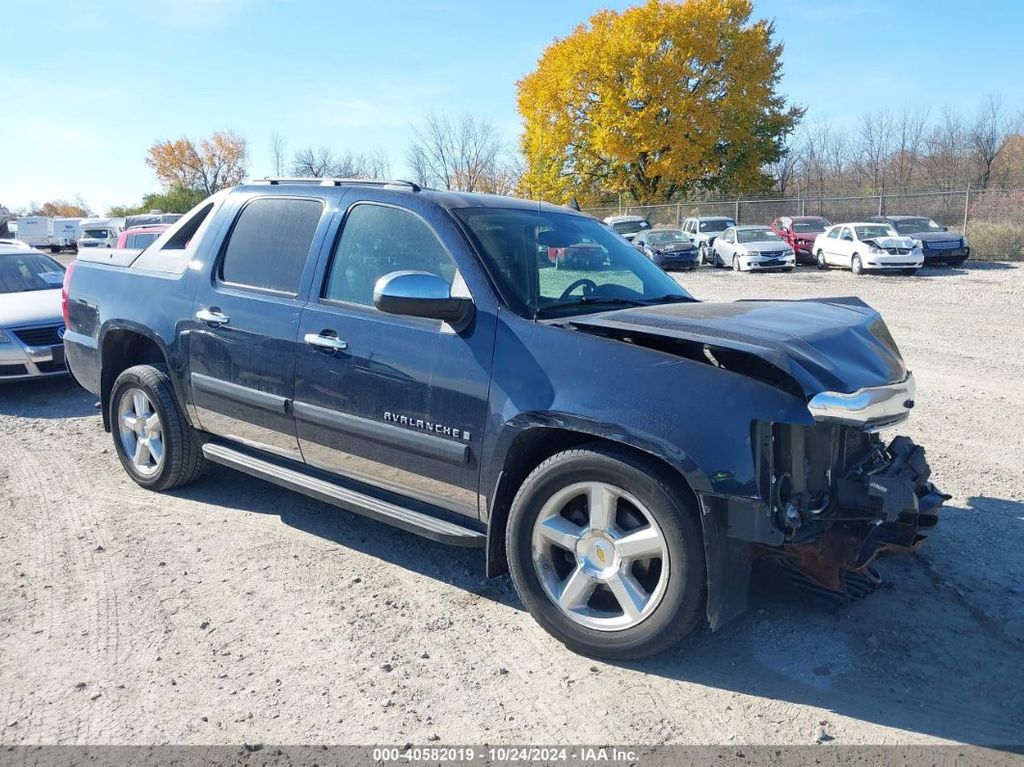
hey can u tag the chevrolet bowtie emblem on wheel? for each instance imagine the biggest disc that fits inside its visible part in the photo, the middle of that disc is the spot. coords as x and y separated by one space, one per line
600 555
419 423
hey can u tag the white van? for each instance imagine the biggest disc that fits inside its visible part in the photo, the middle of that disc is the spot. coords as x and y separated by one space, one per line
36 231
99 232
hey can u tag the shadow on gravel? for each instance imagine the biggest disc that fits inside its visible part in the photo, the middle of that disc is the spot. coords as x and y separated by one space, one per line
925 653
918 654
461 567
46 398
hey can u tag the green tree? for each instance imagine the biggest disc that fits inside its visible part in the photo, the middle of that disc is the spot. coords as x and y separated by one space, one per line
658 99
174 200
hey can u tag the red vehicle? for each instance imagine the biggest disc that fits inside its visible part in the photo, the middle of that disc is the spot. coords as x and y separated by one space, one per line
139 237
799 232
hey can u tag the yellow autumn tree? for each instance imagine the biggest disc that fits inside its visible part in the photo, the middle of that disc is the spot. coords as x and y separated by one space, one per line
207 165
655 100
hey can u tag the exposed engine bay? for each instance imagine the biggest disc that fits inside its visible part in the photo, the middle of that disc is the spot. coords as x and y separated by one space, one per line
842 498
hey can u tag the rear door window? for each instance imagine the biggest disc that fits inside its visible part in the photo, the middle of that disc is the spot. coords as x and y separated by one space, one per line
269 243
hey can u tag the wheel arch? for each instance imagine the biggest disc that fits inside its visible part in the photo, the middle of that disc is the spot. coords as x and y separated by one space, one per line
122 346
531 443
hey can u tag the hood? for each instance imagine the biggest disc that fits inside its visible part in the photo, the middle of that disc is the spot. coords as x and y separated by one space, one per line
885 243
936 236
31 307
769 245
674 247
807 347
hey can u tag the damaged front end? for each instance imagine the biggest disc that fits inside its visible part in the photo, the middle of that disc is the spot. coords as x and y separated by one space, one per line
839 495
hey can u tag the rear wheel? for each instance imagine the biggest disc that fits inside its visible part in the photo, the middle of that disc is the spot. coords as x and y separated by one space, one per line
157 447
855 265
606 555
819 259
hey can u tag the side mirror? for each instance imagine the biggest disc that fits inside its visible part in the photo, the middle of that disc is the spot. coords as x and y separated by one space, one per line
420 294
945 228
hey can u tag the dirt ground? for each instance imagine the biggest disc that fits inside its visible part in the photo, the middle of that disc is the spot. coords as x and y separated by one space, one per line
233 611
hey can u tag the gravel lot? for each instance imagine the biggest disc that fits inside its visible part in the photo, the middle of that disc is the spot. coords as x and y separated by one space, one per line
233 611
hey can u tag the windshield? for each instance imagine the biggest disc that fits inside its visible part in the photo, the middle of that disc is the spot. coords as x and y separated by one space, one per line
716 224
553 264
630 227
140 240
757 235
96 234
804 227
917 225
31 271
667 238
869 232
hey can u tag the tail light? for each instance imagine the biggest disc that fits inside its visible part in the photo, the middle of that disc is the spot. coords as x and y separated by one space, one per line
65 307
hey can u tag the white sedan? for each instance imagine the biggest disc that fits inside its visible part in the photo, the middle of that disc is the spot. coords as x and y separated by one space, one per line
863 247
752 248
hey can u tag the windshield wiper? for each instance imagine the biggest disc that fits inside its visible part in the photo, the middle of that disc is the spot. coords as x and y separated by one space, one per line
613 301
669 298
591 301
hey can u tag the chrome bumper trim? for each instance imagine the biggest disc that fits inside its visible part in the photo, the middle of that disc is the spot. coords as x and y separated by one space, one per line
875 407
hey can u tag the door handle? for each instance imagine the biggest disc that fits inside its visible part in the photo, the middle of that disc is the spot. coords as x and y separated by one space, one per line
212 316
326 343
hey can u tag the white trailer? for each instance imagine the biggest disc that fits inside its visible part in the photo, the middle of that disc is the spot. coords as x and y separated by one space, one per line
36 231
66 232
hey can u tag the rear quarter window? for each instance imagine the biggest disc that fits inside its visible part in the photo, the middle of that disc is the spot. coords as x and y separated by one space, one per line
269 243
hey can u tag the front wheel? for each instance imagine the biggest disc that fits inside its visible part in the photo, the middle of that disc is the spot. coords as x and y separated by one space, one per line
855 265
819 259
909 272
606 554
736 263
157 447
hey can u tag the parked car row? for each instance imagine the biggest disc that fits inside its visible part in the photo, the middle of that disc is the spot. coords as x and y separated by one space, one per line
880 243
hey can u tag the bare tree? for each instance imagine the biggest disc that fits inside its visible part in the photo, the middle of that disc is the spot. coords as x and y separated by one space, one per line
324 162
874 149
460 153
908 143
990 129
947 164
785 170
277 151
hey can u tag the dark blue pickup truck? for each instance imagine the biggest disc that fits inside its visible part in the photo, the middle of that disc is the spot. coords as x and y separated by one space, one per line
427 359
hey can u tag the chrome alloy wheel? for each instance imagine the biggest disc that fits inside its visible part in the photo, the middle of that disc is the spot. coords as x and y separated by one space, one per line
142 434
600 556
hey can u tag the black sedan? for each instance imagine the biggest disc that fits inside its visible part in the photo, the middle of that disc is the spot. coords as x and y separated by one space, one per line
668 248
939 245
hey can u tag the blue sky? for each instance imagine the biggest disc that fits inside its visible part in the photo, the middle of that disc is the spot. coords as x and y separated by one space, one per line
88 86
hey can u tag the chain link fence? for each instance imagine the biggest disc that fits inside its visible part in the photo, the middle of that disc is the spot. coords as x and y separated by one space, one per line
993 220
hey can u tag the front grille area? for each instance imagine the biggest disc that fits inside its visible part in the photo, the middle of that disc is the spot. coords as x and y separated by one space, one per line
773 253
51 367
949 245
12 370
43 336
898 251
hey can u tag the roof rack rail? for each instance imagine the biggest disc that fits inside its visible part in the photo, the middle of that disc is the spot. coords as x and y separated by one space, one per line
331 181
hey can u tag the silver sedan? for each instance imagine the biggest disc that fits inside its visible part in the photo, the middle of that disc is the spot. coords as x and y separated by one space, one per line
31 321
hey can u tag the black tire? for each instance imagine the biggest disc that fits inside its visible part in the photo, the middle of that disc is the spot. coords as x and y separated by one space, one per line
787 269
681 608
958 263
182 445
908 272
819 260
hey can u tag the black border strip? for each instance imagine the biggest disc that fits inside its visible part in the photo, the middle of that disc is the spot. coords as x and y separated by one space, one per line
238 393
420 443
